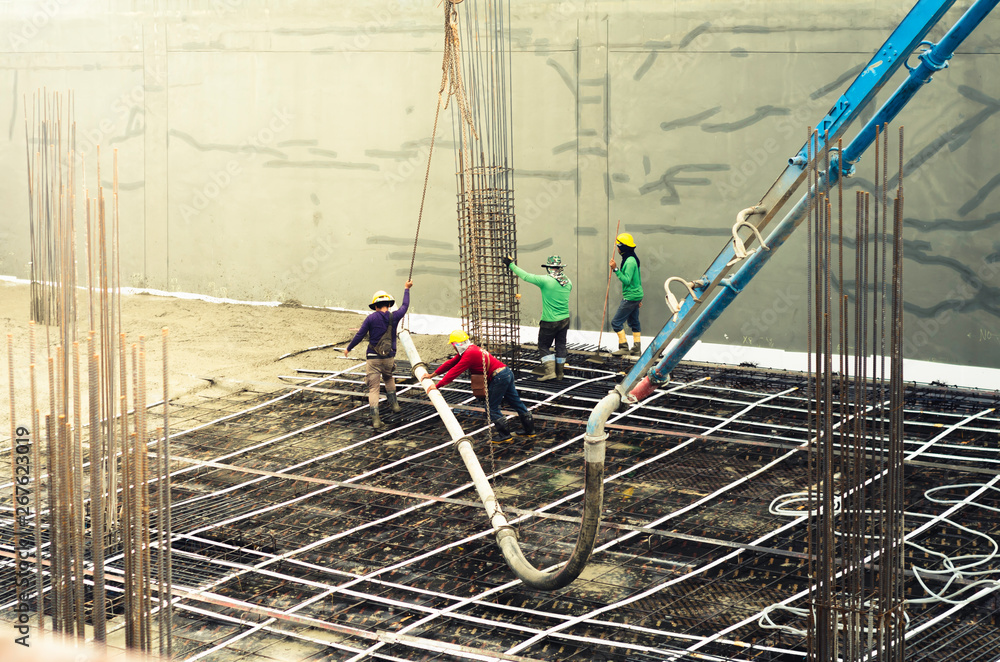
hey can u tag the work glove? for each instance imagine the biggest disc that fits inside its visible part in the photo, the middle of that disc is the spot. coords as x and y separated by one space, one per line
507 260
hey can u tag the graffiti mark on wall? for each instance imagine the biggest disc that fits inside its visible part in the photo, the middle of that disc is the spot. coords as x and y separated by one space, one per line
670 180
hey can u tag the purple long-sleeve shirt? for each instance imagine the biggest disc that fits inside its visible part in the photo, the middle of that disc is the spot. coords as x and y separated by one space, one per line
378 323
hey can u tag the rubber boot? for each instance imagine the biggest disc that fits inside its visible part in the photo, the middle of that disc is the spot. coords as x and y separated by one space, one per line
376 421
622 345
550 371
527 425
540 368
636 344
560 366
502 434
393 402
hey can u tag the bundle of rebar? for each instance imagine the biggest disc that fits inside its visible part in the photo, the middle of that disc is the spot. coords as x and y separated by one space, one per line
93 508
480 58
855 420
45 206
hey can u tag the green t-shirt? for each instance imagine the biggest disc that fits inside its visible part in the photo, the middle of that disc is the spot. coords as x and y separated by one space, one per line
555 297
628 274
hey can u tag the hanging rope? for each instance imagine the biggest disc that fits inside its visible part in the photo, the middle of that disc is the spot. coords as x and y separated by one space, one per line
451 78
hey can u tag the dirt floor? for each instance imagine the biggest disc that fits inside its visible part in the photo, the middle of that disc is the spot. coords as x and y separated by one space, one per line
212 348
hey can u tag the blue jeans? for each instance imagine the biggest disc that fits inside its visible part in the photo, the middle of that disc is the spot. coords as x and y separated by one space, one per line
628 311
501 388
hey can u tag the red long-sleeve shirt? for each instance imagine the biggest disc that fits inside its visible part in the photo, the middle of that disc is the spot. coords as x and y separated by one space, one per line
471 359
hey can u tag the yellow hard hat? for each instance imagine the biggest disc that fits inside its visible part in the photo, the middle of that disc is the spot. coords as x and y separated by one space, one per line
381 298
458 336
625 239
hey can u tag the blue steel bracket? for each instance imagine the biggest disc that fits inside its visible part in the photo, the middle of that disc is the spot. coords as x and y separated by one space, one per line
728 283
928 56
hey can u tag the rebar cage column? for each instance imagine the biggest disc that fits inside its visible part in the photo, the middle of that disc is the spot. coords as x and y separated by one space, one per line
487 230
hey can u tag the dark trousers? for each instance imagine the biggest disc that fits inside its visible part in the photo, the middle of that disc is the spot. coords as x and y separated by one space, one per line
549 331
501 389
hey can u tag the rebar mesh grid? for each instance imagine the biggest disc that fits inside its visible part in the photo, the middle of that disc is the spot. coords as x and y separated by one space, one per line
297 524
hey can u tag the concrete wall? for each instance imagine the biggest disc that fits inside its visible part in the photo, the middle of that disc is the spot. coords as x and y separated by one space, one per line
276 149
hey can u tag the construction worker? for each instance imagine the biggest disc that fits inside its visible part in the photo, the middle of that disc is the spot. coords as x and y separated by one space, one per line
555 287
499 383
628 310
381 353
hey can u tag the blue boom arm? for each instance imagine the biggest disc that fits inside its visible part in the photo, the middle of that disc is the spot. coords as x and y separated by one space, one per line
908 35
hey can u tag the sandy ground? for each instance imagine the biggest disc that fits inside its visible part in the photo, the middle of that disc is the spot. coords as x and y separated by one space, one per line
212 348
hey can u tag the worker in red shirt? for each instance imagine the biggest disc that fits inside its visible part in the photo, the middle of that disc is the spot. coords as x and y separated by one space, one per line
499 379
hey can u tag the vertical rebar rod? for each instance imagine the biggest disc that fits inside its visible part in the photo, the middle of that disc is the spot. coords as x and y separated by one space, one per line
65 523
36 461
128 509
166 522
97 468
13 459
142 483
896 621
811 540
76 467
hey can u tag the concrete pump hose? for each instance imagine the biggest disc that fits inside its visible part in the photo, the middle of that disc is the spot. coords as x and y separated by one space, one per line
506 538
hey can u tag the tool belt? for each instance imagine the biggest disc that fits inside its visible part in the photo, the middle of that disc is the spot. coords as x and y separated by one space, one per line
479 383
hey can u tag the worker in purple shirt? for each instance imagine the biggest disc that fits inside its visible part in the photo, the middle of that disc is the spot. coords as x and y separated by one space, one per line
381 354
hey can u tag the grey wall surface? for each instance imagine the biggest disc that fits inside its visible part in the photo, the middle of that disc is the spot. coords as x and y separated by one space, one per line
276 149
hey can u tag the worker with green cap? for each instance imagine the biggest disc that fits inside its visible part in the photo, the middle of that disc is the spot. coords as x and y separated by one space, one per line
555 286
628 311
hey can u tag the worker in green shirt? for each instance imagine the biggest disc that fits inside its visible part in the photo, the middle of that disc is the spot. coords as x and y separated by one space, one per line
555 286
628 311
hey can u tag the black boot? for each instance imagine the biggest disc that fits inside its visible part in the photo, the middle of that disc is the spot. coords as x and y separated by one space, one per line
502 435
393 403
527 425
559 370
376 421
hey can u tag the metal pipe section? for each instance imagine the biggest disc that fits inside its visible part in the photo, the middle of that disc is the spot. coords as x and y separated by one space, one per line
506 537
